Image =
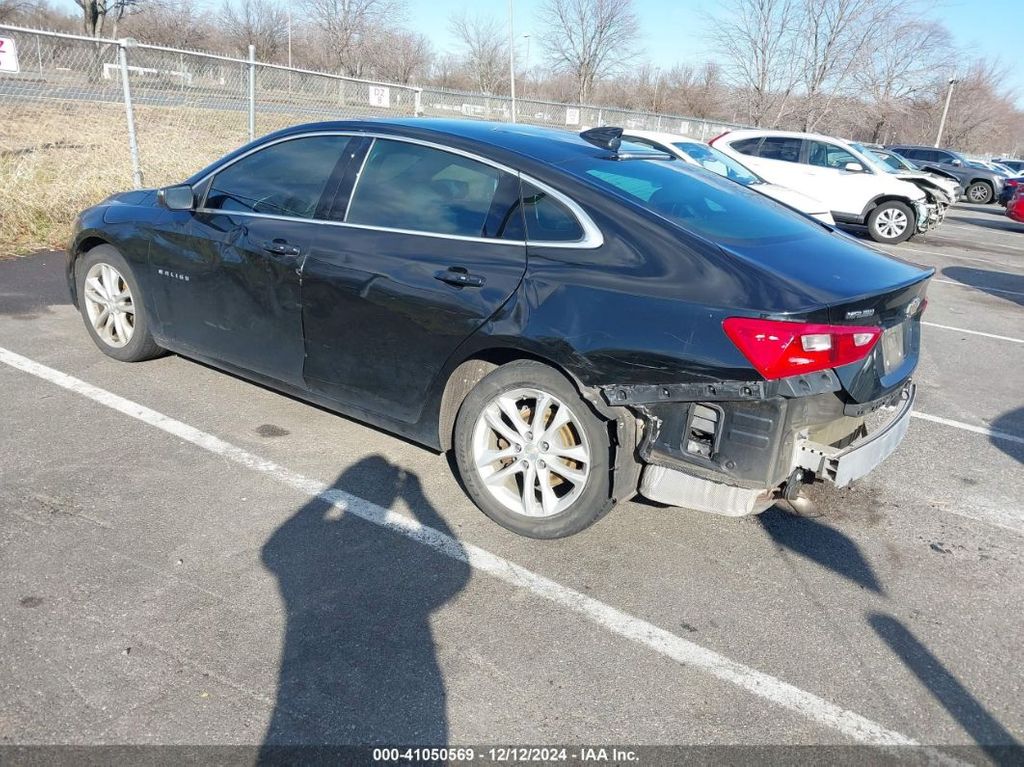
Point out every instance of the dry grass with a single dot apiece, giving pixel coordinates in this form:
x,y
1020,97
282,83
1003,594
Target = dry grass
x,y
57,158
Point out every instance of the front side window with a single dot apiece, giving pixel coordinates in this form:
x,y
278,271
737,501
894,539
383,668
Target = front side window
x,y
419,188
781,148
285,179
826,155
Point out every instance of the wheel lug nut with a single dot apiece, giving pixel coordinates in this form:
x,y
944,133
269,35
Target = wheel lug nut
x,y
545,446
526,463
529,435
541,465
519,448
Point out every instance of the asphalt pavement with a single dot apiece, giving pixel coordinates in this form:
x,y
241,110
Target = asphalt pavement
x,y
188,558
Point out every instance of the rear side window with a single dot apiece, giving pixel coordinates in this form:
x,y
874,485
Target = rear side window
x,y
545,219
746,146
285,179
781,148
827,155
419,188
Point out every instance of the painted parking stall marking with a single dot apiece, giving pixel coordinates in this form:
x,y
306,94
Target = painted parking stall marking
x,y
665,643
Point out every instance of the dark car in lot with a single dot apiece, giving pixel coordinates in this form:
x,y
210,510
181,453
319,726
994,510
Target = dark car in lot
x,y
980,185
576,320
1015,165
1010,189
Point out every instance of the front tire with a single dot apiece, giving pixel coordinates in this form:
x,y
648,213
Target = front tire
x,y
111,304
532,454
980,193
891,222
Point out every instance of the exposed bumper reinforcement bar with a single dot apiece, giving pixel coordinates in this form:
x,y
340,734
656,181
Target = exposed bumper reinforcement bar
x,y
842,466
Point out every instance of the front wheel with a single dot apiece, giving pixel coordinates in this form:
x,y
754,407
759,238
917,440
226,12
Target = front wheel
x,y
111,305
531,453
980,193
891,222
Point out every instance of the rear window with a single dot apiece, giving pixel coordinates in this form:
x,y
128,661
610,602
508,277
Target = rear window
x,y
781,148
746,146
704,204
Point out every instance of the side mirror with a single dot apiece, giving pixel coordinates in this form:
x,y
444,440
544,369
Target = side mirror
x,y
955,163
177,197
854,167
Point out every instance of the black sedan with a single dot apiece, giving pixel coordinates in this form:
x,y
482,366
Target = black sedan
x,y
576,318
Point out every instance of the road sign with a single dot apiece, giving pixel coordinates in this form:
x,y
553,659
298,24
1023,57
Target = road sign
x,y
8,55
572,116
380,96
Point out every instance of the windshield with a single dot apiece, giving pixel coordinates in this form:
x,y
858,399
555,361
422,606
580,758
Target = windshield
x,y
717,162
894,161
711,207
870,159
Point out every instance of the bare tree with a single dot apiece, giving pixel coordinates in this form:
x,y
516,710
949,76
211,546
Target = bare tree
x,y
899,70
832,38
484,42
756,40
260,23
398,56
588,39
96,12
344,25
177,24
11,9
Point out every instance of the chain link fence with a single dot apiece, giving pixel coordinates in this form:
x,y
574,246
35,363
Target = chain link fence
x,y
83,118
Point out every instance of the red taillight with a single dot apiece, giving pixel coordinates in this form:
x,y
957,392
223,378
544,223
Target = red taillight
x,y
778,349
1012,182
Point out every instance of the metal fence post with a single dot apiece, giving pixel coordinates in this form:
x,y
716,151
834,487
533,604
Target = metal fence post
x,y
252,92
418,108
133,139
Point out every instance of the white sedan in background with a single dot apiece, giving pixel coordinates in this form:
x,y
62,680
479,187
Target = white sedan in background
x,y
698,153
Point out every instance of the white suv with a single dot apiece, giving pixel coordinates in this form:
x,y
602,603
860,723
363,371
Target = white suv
x,y
854,186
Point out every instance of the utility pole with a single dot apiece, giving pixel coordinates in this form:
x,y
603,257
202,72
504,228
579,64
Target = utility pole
x,y
945,111
512,58
526,64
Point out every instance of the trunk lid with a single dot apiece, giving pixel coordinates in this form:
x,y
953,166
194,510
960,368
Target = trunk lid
x,y
849,283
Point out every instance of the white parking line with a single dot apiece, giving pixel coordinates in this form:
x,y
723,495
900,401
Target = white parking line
x,y
659,640
973,332
895,250
975,287
990,433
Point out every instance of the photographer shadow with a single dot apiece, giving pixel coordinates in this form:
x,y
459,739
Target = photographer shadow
x,y
358,664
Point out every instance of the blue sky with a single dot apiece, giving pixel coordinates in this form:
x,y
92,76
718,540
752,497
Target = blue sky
x,y
675,31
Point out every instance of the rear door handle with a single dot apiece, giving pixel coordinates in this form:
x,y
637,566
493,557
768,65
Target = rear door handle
x,y
456,275
280,247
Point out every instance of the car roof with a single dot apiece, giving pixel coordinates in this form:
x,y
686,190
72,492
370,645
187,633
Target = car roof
x,y
756,132
548,145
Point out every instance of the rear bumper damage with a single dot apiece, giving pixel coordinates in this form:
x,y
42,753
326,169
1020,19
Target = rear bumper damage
x,y
738,456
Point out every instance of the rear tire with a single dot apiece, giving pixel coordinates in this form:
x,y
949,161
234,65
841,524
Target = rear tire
x,y
532,454
111,304
980,193
891,222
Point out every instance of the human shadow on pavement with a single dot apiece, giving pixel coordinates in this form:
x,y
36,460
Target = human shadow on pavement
x,y
29,286
999,284
820,543
358,664
994,739
1011,422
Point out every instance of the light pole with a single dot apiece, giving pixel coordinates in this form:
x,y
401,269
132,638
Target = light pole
x,y
512,58
526,64
945,111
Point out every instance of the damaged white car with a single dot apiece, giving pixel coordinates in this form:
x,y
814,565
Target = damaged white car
x,y
857,187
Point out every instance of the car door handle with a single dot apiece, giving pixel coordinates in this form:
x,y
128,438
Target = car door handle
x,y
280,247
456,275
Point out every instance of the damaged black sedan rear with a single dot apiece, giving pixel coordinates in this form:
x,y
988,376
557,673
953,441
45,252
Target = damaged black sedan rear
x,y
576,321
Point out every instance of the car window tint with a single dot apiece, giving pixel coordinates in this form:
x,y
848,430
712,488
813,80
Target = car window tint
x,y
548,220
409,186
718,162
827,155
746,146
781,148
285,179
703,203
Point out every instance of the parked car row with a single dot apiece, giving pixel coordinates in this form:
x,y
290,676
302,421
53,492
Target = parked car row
x,y
577,318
